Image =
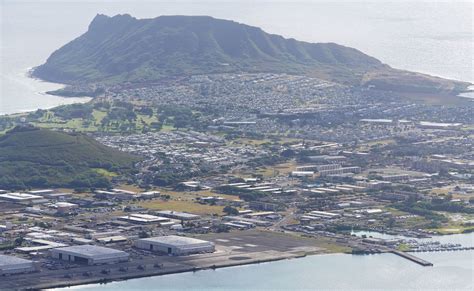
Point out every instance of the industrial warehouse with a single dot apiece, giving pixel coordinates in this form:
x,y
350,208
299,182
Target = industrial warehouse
x,y
14,265
175,245
89,254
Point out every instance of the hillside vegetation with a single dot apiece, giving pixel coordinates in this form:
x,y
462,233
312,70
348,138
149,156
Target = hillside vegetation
x,y
125,49
32,157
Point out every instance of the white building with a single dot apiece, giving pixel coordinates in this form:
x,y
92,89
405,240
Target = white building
x,y
14,265
323,214
437,125
307,168
177,215
89,254
144,218
302,173
41,192
175,245
328,167
19,197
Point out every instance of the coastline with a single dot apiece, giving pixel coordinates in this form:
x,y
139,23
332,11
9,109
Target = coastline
x,y
469,93
26,111
55,100
267,258
325,272
161,272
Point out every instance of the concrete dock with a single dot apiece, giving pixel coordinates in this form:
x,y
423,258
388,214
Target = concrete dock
x,y
412,258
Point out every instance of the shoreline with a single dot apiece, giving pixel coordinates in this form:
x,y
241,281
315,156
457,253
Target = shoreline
x,y
160,272
26,111
468,93
148,273
99,283
159,265
28,76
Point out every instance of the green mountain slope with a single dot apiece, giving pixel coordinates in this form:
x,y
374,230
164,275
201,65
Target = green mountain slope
x,y
123,48
32,157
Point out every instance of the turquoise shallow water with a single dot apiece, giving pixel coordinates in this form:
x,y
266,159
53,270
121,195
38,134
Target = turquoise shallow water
x,y
451,271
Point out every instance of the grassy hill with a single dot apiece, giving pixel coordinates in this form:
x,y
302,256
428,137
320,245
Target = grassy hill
x,y
32,157
125,49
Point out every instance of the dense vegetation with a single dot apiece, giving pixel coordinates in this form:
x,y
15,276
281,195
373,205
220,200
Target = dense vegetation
x,y
428,209
439,204
32,157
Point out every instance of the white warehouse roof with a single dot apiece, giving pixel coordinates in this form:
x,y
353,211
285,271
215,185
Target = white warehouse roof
x,y
91,251
174,240
10,260
9,264
175,245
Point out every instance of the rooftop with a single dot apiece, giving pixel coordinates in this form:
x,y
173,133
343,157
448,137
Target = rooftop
x,y
19,196
7,261
10,260
144,218
175,240
91,251
177,214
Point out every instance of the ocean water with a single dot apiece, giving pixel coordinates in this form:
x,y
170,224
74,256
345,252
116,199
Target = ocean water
x,y
434,37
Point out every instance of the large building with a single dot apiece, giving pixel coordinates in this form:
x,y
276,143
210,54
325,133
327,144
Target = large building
x,y
177,215
14,265
23,198
139,218
175,245
90,254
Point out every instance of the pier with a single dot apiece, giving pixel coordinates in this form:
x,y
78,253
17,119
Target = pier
x,y
412,258
442,249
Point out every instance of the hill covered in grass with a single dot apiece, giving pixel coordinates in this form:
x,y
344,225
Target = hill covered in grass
x,y
33,157
125,49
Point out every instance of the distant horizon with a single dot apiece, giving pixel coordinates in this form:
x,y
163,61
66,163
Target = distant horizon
x,y
428,47
236,145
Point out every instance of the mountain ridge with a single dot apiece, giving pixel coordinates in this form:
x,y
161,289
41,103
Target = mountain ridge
x,y
125,49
